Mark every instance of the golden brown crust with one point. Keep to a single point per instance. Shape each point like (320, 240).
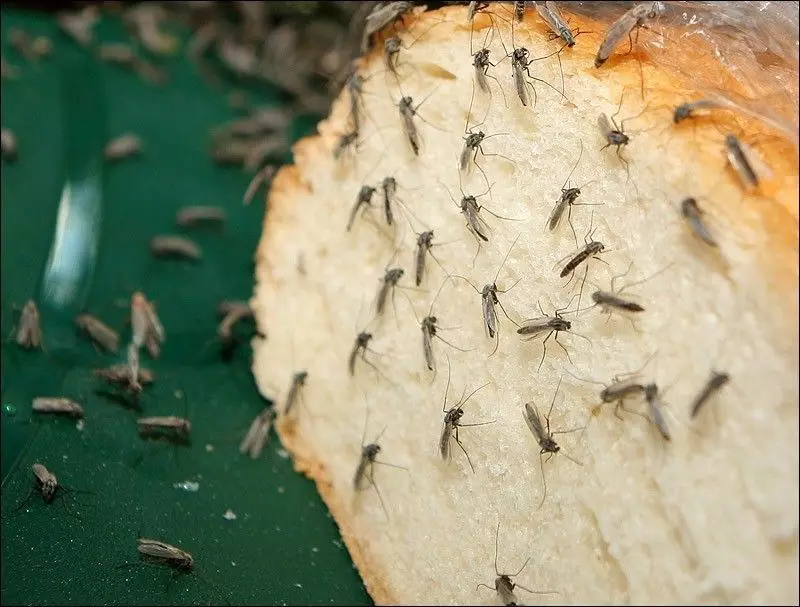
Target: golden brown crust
(306, 463)
(775, 212)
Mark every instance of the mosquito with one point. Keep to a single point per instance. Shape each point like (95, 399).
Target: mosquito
(355, 88)
(715, 382)
(391, 51)
(381, 16)
(503, 584)
(359, 350)
(519, 11)
(295, 390)
(388, 284)
(687, 110)
(694, 217)
(614, 301)
(653, 398)
(481, 63)
(622, 387)
(157, 552)
(365, 472)
(568, 197)
(256, 438)
(48, 486)
(632, 19)
(613, 133)
(473, 143)
(363, 202)
(175, 247)
(545, 438)
(489, 300)
(345, 143)
(423, 248)
(548, 324)
(591, 249)
(407, 113)
(474, 222)
(452, 422)
(738, 160)
(552, 16)
(100, 333)
(388, 188)
(121, 374)
(520, 65)
(57, 405)
(169, 427)
(430, 329)
(29, 327)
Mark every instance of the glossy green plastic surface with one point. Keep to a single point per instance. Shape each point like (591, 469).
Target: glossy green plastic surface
(283, 547)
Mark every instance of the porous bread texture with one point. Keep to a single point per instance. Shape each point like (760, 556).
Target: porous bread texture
(709, 517)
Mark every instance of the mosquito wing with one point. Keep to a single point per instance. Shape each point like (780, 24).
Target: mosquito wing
(534, 422)
(444, 441)
(605, 125)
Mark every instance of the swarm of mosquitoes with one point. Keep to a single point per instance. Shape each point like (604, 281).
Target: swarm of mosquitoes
(247, 47)
(623, 388)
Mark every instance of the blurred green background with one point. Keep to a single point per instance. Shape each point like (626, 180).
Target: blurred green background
(283, 547)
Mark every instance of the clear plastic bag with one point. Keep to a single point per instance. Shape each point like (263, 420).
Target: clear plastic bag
(755, 45)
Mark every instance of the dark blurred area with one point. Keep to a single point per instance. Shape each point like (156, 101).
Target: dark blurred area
(305, 48)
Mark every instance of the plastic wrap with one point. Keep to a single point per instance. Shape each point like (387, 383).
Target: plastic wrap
(755, 45)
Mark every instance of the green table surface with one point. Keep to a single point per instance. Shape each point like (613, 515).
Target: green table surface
(283, 547)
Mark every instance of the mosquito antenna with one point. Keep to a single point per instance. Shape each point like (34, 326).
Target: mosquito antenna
(553, 402)
(566, 181)
(366, 421)
(471, 394)
(525, 564)
(380, 435)
(496, 545)
(544, 480)
(447, 386)
(588, 381)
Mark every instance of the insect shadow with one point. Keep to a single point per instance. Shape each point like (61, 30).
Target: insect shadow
(489, 300)
(503, 584)
(364, 477)
(544, 437)
(452, 422)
